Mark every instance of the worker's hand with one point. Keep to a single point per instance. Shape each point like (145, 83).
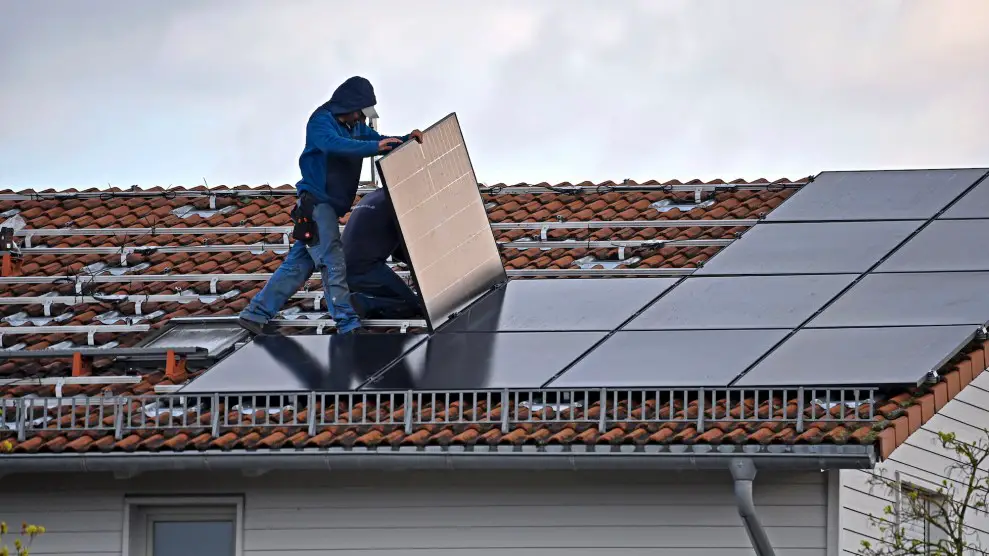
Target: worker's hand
(388, 144)
(417, 135)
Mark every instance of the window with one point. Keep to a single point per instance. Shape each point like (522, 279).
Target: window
(913, 502)
(184, 526)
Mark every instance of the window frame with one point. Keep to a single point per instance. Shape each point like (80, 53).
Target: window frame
(141, 513)
(931, 533)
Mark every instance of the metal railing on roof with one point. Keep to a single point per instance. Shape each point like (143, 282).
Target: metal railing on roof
(499, 189)
(409, 410)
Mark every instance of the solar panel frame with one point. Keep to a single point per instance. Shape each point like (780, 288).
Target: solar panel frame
(974, 204)
(943, 246)
(876, 195)
(831, 357)
(910, 299)
(480, 251)
(741, 302)
(809, 248)
(669, 358)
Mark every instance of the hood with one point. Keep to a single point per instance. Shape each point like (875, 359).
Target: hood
(354, 95)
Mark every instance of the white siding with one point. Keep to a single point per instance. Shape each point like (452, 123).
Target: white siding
(534, 513)
(921, 461)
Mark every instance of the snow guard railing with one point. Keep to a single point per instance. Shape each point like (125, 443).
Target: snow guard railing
(219, 414)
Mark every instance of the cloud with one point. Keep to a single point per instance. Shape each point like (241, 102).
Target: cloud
(153, 92)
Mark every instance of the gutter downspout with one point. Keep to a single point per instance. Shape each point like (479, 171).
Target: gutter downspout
(743, 471)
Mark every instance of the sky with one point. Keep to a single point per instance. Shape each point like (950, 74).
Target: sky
(183, 92)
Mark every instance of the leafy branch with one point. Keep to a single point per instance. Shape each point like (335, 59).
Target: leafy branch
(23, 542)
(941, 515)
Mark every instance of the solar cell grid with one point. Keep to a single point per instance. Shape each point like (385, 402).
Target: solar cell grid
(442, 218)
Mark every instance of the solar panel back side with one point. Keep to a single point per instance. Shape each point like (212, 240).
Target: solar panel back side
(442, 218)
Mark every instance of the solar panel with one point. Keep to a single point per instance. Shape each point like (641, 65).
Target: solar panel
(572, 304)
(809, 248)
(442, 218)
(945, 245)
(859, 356)
(274, 363)
(975, 204)
(672, 358)
(875, 195)
(481, 360)
(911, 299)
(741, 302)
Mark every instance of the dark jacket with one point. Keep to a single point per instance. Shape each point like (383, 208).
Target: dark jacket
(332, 158)
(371, 234)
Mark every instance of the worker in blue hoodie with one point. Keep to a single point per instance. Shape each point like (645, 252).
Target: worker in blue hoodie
(337, 142)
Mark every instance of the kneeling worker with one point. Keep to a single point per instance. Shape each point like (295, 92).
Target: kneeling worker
(369, 238)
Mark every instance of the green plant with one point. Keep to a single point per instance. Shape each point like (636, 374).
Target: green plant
(942, 515)
(23, 541)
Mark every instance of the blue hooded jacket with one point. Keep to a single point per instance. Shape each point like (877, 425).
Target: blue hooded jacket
(332, 159)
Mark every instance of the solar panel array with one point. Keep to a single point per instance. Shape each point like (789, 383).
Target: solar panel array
(833, 291)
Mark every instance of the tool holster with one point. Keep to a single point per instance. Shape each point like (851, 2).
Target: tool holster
(305, 227)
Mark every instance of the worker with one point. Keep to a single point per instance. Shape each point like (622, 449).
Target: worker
(337, 141)
(370, 237)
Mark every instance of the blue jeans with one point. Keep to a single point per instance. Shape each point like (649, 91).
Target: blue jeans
(382, 294)
(298, 266)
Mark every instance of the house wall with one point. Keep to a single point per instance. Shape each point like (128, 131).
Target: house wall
(921, 461)
(526, 513)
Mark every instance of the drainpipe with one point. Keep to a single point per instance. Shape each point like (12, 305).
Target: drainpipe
(743, 471)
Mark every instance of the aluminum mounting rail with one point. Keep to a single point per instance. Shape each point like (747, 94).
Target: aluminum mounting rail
(90, 330)
(614, 244)
(319, 324)
(28, 234)
(161, 352)
(48, 300)
(66, 380)
(215, 278)
(639, 188)
(366, 188)
(260, 248)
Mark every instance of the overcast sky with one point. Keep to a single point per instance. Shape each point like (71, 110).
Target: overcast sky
(157, 92)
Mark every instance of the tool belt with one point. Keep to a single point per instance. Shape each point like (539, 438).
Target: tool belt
(305, 227)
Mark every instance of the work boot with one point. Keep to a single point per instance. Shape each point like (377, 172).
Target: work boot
(255, 328)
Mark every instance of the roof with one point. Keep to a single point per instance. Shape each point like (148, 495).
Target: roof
(98, 428)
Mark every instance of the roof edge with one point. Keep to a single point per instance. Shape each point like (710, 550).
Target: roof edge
(674, 457)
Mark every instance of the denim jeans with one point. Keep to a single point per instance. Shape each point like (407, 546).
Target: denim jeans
(298, 266)
(382, 294)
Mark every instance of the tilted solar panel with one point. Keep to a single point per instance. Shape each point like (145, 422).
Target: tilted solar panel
(442, 218)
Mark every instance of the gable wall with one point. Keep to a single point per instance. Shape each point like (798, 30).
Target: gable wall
(526, 513)
(921, 461)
